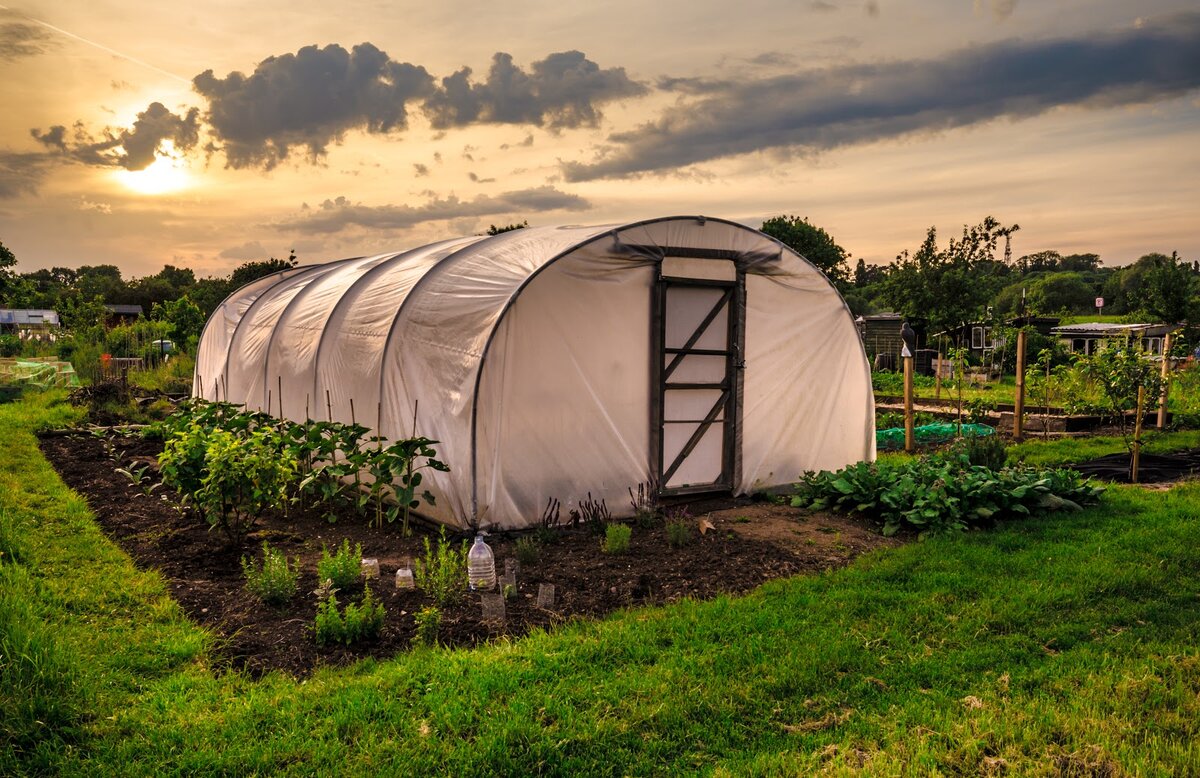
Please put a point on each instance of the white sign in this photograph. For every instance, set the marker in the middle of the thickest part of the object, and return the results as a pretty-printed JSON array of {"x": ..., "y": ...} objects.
[{"x": 1099, "y": 302}]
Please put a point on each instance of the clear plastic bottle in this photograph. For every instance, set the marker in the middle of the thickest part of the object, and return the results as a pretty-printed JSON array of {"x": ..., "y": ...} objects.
[{"x": 481, "y": 566}]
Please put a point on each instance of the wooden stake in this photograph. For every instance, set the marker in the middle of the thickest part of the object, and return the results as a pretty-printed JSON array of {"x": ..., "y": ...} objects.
[
  {"x": 937, "y": 378},
  {"x": 909, "y": 438},
  {"x": 1019, "y": 398},
  {"x": 328, "y": 406},
  {"x": 279, "y": 379},
  {"x": 352, "y": 421},
  {"x": 268, "y": 402},
  {"x": 1137, "y": 436},
  {"x": 1166, "y": 382}
]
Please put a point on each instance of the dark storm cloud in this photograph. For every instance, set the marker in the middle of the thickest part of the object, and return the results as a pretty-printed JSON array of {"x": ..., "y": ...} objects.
[
  {"x": 308, "y": 100},
  {"x": 563, "y": 90},
  {"x": 18, "y": 40},
  {"x": 21, "y": 172},
  {"x": 132, "y": 148},
  {"x": 337, "y": 215},
  {"x": 809, "y": 112}
]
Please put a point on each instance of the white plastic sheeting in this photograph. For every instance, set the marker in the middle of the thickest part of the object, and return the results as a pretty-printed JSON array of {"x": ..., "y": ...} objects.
[{"x": 530, "y": 356}]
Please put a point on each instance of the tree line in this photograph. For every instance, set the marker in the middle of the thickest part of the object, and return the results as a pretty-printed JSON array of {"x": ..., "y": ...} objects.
[{"x": 972, "y": 278}]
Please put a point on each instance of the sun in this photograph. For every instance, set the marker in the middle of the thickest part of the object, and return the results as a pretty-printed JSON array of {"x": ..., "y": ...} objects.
[{"x": 164, "y": 175}]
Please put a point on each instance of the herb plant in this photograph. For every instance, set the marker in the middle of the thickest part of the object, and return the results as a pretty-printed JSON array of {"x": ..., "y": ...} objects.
[
  {"x": 273, "y": 579},
  {"x": 442, "y": 571},
  {"x": 616, "y": 539},
  {"x": 343, "y": 567}
]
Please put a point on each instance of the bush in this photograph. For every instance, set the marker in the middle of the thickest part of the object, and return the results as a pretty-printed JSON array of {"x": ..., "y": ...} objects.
[
  {"x": 243, "y": 477},
  {"x": 939, "y": 494},
  {"x": 273, "y": 580},
  {"x": 429, "y": 622},
  {"x": 343, "y": 568},
  {"x": 442, "y": 572},
  {"x": 616, "y": 539},
  {"x": 981, "y": 451},
  {"x": 357, "y": 622},
  {"x": 527, "y": 550}
]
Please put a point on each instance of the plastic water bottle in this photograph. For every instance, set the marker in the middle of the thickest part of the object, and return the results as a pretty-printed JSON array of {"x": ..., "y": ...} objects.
[{"x": 481, "y": 566}]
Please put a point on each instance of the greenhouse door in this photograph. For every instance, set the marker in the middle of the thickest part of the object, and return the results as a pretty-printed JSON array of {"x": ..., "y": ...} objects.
[{"x": 696, "y": 383}]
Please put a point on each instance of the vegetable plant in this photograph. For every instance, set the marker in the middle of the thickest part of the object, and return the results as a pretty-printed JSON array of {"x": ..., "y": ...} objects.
[
  {"x": 242, "y": 478},
  {"x": 943, "y": 493},
  {"x": 429, "y": 621}
]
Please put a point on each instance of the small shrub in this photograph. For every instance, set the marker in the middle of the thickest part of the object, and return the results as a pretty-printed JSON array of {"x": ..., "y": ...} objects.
[
  {"x": 343, "y": 568},
  {"x": 616, "y": 539},
  {"x": 528, "y": 550},
  {"x": 979, "y": 409},
  {"x": 679, "y": 532},
  {"x": 357, "y": 622},
  {"x": 982, "y": 451},
  {"x": 273, "y": 580},
  {"x": 442, "y": 572},
  {"x": 509, "y": 591},
  {"x": 429, "y": 622}
]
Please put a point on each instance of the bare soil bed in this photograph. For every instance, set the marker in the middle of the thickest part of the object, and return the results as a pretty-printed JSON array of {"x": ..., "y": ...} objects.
[{"x": 749, "y": 543}]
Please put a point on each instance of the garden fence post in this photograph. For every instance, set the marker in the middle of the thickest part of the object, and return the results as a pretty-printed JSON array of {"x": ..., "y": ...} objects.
[
  {"x": 909, "y": 443},
  {"x": 1166, "y": 382},
  {"x": 1019, "y": 398},
  {"x": 1137, "y": 435}
]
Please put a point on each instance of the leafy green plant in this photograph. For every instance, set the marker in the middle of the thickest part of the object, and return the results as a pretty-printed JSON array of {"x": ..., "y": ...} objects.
[
  {"x": 343, "y": 567},
  {"x": 242, "y": 478},
  {"x": 616, "y": 538},
  {"x": 981, "y": 450},
  {"x": 943, "y": 493},
  {"x": 979, "y": 410},
  {"x": 1120, "y": 370},
  {"x": 509, "y": 591},
  {"x": 361, "y": 621},
  {"x": 679, "y": 532},
  {"x": 429, "y": 622},
  {"x": 527, "y": 550},
  {"x": 442, "y": 571},
  {"x": 273, "y": 580}
]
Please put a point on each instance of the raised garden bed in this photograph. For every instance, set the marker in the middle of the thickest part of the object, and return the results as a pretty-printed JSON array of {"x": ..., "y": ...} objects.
[{"x": 749, "y": 543}]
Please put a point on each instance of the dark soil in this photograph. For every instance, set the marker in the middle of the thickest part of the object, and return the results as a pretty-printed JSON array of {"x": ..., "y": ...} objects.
[{"x": 747, "y": 544}]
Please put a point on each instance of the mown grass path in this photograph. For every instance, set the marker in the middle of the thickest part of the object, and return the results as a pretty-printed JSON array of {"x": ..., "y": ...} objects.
[{"x": 1050, "y": 647}]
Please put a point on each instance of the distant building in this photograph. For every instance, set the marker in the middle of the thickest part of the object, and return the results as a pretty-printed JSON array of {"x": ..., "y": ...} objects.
[
  {"x": 880, "y": 333},
  {"x": 122, "y": 314},
  {"x": 28, "y": 323},
  {"x": 979, "y": 336},
  {"x": 1089, "y": 337}
]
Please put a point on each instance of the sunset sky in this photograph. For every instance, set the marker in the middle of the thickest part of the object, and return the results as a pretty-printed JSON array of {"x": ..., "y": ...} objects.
[{"x": 207, "y": 134}]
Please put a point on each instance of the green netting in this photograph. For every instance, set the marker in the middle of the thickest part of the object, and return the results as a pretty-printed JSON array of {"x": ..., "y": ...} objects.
[
  {"x": 893, "y": 439},
  {"x": 41, "y": 373}
]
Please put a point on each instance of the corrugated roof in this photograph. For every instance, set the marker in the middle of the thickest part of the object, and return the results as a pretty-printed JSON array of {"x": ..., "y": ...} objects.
[{"x": 27, "y": 316}]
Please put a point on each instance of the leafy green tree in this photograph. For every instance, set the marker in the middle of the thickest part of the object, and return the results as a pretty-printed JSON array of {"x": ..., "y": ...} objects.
[
  {"x": 14, "y": 290},
  {"x": 494, "y": 230},
  {"x": 813, "y": 243},
  {"x": 252, "y": 271},
  {"x": 78, "y": 313},
  {"x": 184, "y": 318},
  {"x": 949, "y": 288},
  {"x": 1059, "y": 292},
  {"x": 1168, "y": 290}
]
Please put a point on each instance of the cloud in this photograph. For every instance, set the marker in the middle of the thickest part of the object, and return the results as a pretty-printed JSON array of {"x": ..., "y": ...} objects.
[
  {"x": 1001, "y": 9},
  {"x": 88, "y": 205},
  {"x": 420, "y": 170},
  {"x": 564, "y": 90},
  {"x": 249, "y": 250},
  {"x": 822, "y": 5},
  {"x": 476, "y": 179},
  {"x": 308, "y": 100},
  {"x": 134, "y": 148},
  {"x": 18, "y": 40},
  {"x": 805, "y": 113},
  {"x": 339, "y": 214},
  {"x": 21, "y": 172},
  {"x": 872, "y": 8}
]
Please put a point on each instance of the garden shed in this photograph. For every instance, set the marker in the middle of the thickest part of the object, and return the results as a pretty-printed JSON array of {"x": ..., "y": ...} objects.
[{"x": 691, "y": 353}]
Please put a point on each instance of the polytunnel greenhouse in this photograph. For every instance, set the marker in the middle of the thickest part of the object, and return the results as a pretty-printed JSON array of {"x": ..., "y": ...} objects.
[{"x": 692, "y": 354}]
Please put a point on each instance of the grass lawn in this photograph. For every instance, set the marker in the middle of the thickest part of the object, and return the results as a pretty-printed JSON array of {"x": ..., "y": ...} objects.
[{"x": 1058, "y": 646}]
